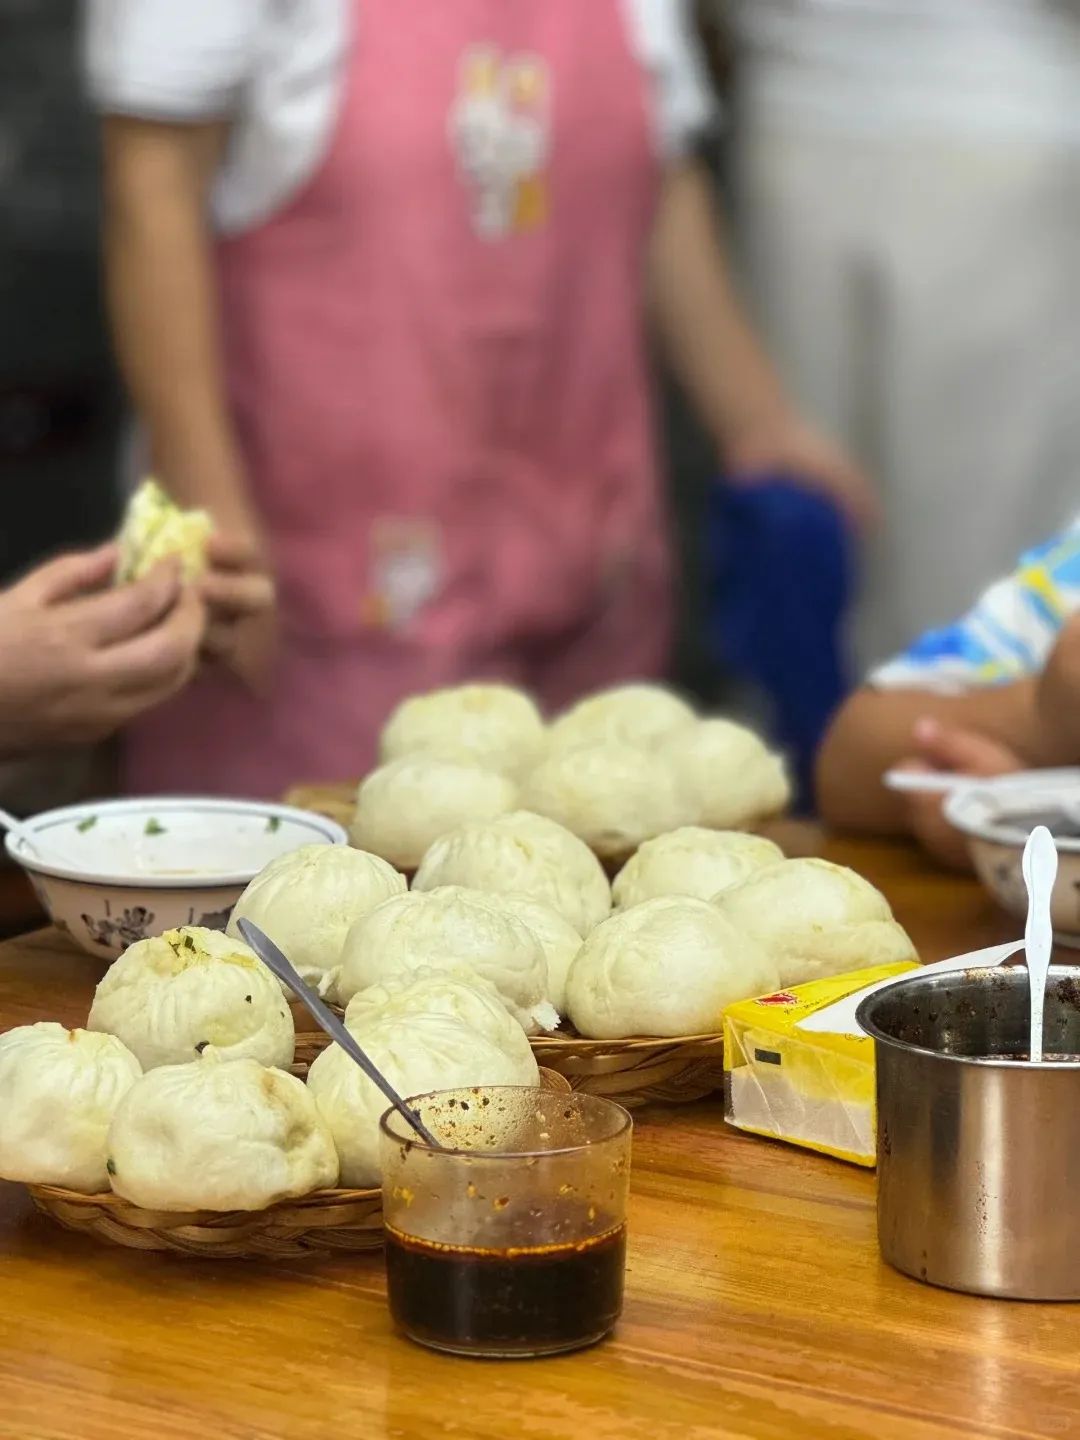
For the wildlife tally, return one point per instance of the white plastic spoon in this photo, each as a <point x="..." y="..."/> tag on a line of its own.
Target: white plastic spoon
<point x="1040" y="871"/>
<point x="925" y="782"/>
<point x="32" y="842"/>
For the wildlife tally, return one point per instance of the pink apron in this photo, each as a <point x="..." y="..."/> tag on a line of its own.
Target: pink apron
<point x="437" y="371"/>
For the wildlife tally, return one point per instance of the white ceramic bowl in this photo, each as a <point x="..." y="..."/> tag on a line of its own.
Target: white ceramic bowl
<point x="987" y="813"/>
<point x="125" y="869"/>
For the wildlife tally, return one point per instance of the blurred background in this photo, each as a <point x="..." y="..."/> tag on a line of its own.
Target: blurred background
<point x="901" y="182"/>
<point x="60" y="403"/>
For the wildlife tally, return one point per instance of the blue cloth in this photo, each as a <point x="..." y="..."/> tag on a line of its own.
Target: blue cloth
<point x="780" y="570"/>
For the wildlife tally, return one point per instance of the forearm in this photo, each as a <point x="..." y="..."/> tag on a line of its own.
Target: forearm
<point x="164" y="311"/>
<point x="711" y="344"/>
<point x="874" y="731"/>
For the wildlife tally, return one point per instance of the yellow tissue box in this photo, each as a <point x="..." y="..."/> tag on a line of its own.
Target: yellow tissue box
<point x="812" y="1089"/>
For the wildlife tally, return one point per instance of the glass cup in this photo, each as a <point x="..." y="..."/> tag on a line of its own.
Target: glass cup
<point x="511" y="1243"/>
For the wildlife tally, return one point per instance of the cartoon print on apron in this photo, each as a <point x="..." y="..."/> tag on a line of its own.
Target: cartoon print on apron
<point x="500" y="130"/>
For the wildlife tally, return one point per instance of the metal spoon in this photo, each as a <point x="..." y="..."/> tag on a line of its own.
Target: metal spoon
<point x="1040" y="871"/>
<point x="274" y="960"/>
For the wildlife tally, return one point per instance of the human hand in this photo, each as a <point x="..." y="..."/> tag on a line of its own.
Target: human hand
<point x="240" y="598"/>
<point x="79" y="657"/>
<point x="787" y="444"/>
<point x="936" y="746"/>
<point x="1057" y="700"/>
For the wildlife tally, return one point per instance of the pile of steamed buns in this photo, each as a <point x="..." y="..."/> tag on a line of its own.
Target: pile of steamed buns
<point x="177" y="1094"/>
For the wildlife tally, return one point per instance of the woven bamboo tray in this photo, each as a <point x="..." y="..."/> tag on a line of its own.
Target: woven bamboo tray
<point x="309" y="1041"/>
<point x="634" y="1072"/>
<point x="336" y="802"/>
<point x="325" y="1222"/>
<point x="637" y="1072"/>
<point x="328" y="1220"/>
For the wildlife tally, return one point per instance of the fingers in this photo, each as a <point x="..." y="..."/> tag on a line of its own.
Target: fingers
<point x="236" y="594"/>
<point x="125" y="611"/>
<point x="836" y="475"/>
<point x="155" y="663"/>
<point x="70" y="575"/>
<point x="231" y="550"/>
<point x="947" y="747"/>
<point x="248" y="647"/>
<point x="804" y="455"/>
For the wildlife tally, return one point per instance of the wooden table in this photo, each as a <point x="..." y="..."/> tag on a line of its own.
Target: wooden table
<point x="757" y="1304"/>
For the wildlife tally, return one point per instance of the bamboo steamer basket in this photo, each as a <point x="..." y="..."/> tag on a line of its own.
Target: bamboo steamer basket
<point x="645" y="1070"/>
<point x="325" y="1222"/>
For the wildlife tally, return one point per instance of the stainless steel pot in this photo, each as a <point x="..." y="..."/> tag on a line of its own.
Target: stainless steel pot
<point x="979" y="1150"/>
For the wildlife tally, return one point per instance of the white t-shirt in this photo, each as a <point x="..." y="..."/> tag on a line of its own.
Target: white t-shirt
<point x="276" y="70"/>
<point x="1008" y="69"/>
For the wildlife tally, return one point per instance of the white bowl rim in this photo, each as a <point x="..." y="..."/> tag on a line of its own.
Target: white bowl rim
<point x="330" y="830"/>
<point x="1033" y="783"/>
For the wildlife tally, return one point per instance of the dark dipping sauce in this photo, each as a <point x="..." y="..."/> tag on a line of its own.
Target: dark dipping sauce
<point x="529" y="1301"/>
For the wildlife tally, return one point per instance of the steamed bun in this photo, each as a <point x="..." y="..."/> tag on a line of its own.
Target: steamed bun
<point x="170" y="997"/>
<point x="58" y="1091"/>
<point x="154" y="527"/>
<point x="639" y="715"/>
<point x="494" y="726"/>
<point x="816" y="919"/>
<point x="558" y="939"/>
<point x="668" y="967"/>
<point x="458" y="995"/>
<point x="404" y="806"/>
<point x="692" y="861"/>
<point x="613" y="796"/>
<point x="525" y="854"/>
<point x="218" y="1135"/>
<point x="727" y="774"/>
<point x="447" y="929"/>
<point x="306" y="900"/>
<point x="417" y="1054"/>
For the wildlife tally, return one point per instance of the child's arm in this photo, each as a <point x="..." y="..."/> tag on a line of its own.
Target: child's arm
<point x="876" y="730"/>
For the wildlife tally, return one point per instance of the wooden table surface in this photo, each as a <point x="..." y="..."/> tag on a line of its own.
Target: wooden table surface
<point x="757" y="1304"/>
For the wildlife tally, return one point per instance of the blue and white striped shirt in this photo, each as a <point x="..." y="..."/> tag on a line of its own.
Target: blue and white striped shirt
<point x="1007" y="635"/>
